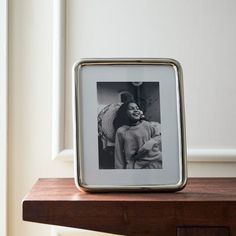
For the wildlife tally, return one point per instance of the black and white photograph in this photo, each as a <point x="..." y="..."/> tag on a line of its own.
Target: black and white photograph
<point x="129" y="125"/>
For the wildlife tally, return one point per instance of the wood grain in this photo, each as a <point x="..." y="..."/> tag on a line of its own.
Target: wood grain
<point x="203" y="231"/>
<point x="203" y="202"/>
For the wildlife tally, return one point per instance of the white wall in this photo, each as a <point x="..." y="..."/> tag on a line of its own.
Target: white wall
<point x="30" y="108"/>
<point x="3" y="119"/>
<point x="199" y="34"/>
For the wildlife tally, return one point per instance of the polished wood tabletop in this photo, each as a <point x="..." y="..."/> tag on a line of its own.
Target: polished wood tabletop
<point x="207" y="204"/>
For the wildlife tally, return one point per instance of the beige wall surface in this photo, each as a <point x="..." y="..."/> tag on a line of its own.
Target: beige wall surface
<point x="30" y="81"/>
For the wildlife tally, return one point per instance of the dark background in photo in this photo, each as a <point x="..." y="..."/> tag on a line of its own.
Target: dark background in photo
<point x="109" y="96"/>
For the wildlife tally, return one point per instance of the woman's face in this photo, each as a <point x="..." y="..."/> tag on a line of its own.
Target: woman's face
<point x="133" y="112"/>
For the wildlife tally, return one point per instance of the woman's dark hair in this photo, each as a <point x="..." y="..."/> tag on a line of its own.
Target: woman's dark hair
<point x="121" y="116"/>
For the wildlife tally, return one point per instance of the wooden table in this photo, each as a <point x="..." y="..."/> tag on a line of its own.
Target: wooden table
<point x="206" y="207"/>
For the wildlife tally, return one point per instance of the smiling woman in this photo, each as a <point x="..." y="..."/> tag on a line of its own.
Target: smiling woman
<point x="137" y="102"/>
<point x="136" y="140"/>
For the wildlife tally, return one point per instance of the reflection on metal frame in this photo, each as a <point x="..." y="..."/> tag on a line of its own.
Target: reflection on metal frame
<point x="180" y="116"/>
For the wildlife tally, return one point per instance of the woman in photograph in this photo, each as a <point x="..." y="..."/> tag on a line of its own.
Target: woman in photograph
<point x="137" y="142"/>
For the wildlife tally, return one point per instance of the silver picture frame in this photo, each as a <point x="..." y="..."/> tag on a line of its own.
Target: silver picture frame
<point x="97" y="85"/>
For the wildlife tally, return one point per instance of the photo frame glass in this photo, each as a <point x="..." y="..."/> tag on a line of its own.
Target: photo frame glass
<point x="129" y="125"/>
